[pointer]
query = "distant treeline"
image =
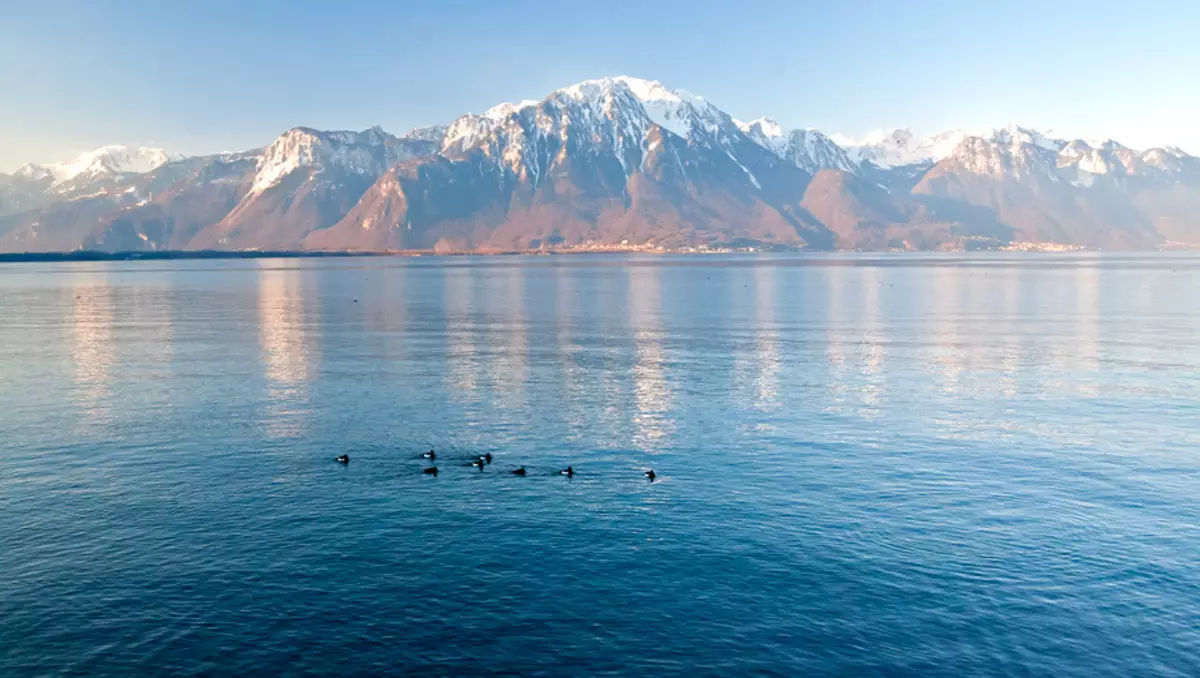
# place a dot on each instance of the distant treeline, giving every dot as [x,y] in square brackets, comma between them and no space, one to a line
[86,255]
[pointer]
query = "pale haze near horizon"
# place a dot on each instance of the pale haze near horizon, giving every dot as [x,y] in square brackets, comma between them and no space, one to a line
[197,78]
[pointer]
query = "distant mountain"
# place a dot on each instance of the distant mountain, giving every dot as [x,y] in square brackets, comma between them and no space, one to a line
[195,195]
[70,220]
[610,163]
[23,191]
[306,181]
[102,162]
[1050,190]
[88,175]
[897,147]
[807,149]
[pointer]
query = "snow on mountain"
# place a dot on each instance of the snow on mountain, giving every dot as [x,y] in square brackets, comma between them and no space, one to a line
[676,111]
[1007,153]
[104,161]
[898,147]
[813,151]
[1085,157]
[469,129]
[597,102]
[366,153]
[1017,136]
[1111,158]
[34,172]
[1171,159]
[667,160]
[808,149]
[1018,153]
[610,117]
[766,132]
[432,133]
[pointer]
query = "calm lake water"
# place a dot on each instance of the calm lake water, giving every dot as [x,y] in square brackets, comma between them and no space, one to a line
[910,465]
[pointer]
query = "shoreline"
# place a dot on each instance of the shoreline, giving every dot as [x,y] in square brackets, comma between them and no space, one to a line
[166,255]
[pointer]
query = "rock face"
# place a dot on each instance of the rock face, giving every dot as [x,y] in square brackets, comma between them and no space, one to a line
[172,218]
[615,162]
[604,162]
[1069,192]
[306,181]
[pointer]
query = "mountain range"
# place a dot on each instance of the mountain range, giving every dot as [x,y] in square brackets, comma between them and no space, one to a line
[611,163]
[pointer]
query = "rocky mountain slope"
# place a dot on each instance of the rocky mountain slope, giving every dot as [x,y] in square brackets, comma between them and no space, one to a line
[605,162]
[610,163]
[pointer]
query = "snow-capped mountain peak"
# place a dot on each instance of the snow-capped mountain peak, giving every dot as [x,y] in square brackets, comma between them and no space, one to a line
[645,91]
[1012,152]
[104,161]
[365,153]
[677,111]
[34,172]
[763,130]
[812,151]
[898,146]
[899,137]
[767,133]
[1016,135]
[807,149]
[469,129]
[768,126]
[432,133]
[1167,159]
[623,102]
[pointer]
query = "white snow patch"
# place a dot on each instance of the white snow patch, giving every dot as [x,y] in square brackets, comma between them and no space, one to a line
[355,152]
[106,160]
[897,146]
[753,179]
[1093,163]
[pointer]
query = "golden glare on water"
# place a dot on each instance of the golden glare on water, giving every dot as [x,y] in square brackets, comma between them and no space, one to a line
[766,338]
[652,395]
[462,350]
[288,350]
[93,352]
[948,359]
[509,367]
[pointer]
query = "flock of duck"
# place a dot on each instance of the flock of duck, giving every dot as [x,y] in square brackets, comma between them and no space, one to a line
[482,461]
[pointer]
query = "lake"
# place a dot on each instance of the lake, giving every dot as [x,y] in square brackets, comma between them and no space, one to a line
[931,465]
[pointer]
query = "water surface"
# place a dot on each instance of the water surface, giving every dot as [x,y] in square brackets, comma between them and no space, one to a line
[911,465]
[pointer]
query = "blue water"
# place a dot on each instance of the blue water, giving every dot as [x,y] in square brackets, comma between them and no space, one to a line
[910,465]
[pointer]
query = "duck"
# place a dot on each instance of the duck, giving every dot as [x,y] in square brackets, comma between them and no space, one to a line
[344,459]
[519,472]
[431,471]
[650,474]
[431,455]
[568,472]
[478,463]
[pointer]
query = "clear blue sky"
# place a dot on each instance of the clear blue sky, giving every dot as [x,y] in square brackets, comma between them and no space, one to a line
[201,76]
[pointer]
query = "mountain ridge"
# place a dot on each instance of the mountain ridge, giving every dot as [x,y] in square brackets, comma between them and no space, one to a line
[610,163]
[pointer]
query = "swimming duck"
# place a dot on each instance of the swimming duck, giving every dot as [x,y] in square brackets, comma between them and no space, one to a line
[650,474]
[429,455]
[344,459]
[568,472]
[519,472]
[431,471]
[478,463]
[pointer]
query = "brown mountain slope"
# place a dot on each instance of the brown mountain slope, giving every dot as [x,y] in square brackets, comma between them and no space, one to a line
[678,195]
[865,216]
[171,220]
